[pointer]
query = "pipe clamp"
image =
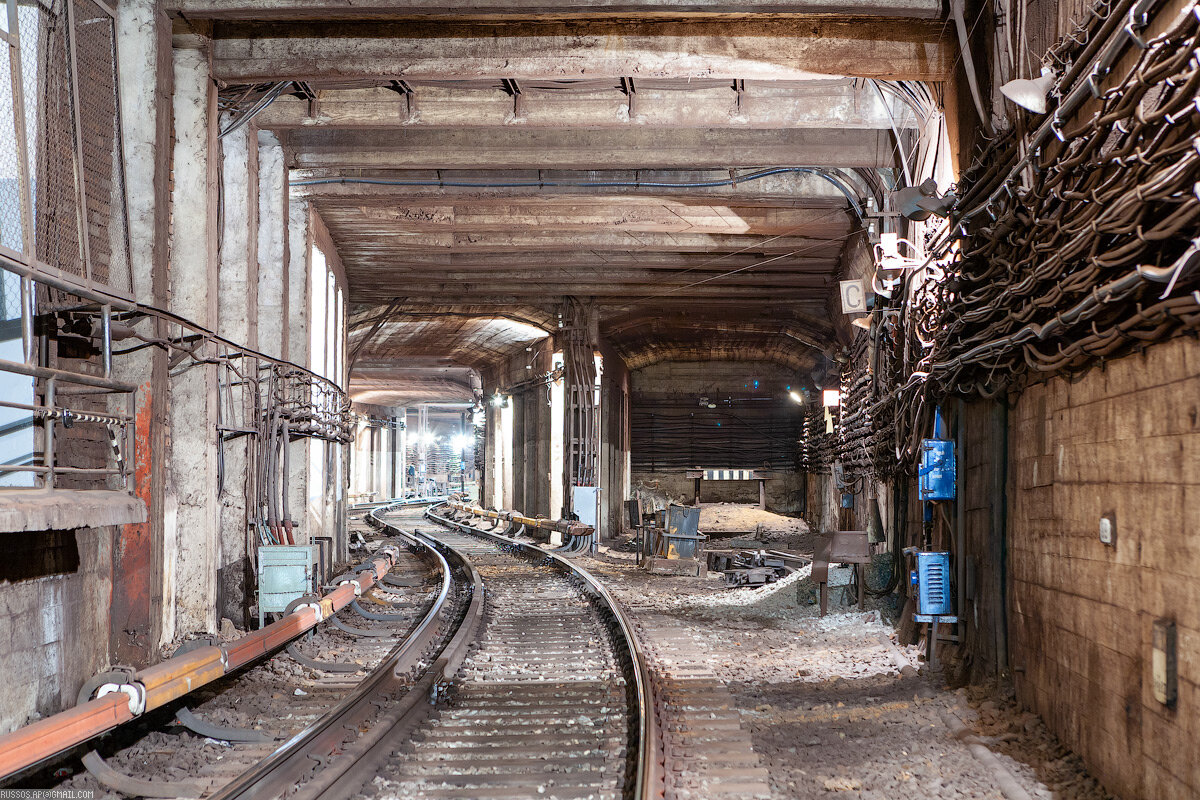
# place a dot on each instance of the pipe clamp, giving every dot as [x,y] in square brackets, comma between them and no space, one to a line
[135,691]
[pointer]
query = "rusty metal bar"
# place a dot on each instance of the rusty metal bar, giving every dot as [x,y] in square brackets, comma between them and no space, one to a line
[175,677]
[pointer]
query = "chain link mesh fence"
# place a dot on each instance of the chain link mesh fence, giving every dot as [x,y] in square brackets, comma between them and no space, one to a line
[100,144]
[69,97]
[11,231]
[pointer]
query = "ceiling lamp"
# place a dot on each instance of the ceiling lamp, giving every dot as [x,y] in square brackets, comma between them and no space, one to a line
[907,200]
[938,206]
[921,201]
[1030,93]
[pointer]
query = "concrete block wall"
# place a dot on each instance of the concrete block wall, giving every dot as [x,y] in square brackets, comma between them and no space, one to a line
[54,623]
[1123,441]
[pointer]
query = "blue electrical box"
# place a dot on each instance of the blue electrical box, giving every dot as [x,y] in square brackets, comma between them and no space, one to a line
[285,572]
[932,580]
[937,471]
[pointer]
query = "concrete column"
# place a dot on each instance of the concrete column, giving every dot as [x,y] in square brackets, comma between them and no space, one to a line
[272,247]
[237,320]
[299,349]
[192,540]
[399,458]
[144,54]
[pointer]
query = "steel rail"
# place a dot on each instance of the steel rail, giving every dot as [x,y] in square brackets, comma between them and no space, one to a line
[132,695]
[647,780]
[331,744]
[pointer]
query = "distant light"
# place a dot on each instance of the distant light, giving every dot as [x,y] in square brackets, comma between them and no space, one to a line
[831,398]
[497,400]
[462,442]
[428,438]
[756,384]
[795,396]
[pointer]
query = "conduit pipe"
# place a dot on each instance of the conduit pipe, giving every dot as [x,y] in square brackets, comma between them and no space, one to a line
[169,680]
[564,526]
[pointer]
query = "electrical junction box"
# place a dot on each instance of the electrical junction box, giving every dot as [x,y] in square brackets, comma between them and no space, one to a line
[1164,662]
[285,572]
[937,471]
[1108,530]
[932,581]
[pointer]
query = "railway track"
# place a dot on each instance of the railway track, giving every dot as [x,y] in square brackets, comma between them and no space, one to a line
[501,671]
[551,701]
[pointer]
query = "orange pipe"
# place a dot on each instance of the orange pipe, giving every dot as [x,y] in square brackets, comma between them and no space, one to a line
[175,677]
[169,680]
[32,743]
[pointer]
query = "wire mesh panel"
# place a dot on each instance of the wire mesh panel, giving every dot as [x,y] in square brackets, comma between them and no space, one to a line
[100,144]
[46,69]
[11,234]
[72,149]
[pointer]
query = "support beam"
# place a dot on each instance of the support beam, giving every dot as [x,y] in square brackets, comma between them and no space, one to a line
[400,241]
[272,247]
[830,103]
[637,148]
[773,188]
[193,541]
[580,215]
[238,321]
[774,49]
[519,9]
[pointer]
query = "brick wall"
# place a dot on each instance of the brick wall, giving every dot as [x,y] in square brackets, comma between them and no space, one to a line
[1123,441]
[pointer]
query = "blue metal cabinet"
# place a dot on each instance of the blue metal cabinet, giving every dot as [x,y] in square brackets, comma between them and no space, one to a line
[932,580]
[285,572]
[937,470]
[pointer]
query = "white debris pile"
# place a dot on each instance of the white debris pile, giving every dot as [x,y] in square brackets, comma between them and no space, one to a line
[772,600]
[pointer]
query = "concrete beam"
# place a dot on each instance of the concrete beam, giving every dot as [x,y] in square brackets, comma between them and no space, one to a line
[592,260]
[637,148]
[272,246]
[385,241]
[836,103]
[774,49]
[193,541]
[779,189]
[518,9]
[581,215]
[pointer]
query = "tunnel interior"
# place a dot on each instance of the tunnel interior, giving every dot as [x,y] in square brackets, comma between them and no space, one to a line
[818,382]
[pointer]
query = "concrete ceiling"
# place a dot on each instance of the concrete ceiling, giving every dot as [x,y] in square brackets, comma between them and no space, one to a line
[474,174]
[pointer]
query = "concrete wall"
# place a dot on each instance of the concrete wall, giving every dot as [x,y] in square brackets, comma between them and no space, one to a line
[783,493]
[1123,441]
[54,618]
[524,476]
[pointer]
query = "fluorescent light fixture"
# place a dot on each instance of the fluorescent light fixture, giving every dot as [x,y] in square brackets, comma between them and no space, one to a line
[796,397]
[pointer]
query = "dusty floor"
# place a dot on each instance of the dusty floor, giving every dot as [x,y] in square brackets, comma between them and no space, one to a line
[833,705]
